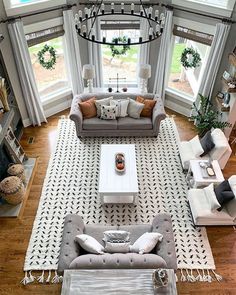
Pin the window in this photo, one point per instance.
(50, 83)
(186, 81)
(18, 7)
(125, 65)
(220, 7)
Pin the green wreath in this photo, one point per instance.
(190, 58)
(50, 63)
(114, 49)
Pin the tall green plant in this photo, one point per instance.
(206, 117)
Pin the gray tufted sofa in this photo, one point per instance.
(74, 257)
(122, 126)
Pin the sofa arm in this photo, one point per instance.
(166, 248)
(158, 114)
(73, 226)
(76, 114)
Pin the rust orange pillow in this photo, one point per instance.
(148, 106)
(88, 108)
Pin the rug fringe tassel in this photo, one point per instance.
(49, 277)
(56, 279)
(203, 275)
(40, 279)
(26, 279)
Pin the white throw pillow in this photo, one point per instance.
(100, 102)
(134, 108)
(121, 107)
(108, 112)
(117, 247)
(146, 243)
(89, 244)
(116, 235)
(221, 144)
(196, 146)
(211, 197)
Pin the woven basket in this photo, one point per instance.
(12, 190)
(17, 170)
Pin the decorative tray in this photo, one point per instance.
(120, 162)
(207, 170)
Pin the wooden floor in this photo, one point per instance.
(15, 233)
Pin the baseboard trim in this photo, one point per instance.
(178, 108)
(50, 111)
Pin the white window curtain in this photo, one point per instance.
(26, 74)
(73, 52)
(214, 59)
(161, 76)
(144, 48)
(95, 54)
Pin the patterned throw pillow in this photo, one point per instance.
(108, 112)
(100, 102)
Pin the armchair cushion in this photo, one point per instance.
(196, 146)
(207, 143)
(221, 144)
(211, 197)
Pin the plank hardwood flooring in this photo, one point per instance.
(15, 233)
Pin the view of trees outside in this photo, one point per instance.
(125, 65)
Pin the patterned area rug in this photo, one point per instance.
(71, 186)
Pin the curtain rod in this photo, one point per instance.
(170, 7)
(36, 13)
(226, 20)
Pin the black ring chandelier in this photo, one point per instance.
(155, 20)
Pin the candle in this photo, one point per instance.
(79, 26)
(112, 7)
(76, 18)
(122, 7)
(156, 14)
(150, 33)
(141, 12)
(84, 30)
(86, 12)
(161, 16)
(104, 39)
(93, 33)
(150, 12)
(102, 8)
(132, 7)
(80, 13)
(157, 29)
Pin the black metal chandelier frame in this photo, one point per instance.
(98, 10)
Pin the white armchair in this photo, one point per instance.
(202, 209)
(191, 150)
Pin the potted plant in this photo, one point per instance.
(206, 117)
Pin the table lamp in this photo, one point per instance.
(144, 74)
(89, 75)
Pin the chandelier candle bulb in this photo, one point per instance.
(129, 40)
(122, 7)
(104, 39)
(158, 29)
(79, 27)
(86, 12)
(150, 12)
(132, 8)
(156, 14)
(112, 7)
(161, 16)
(150, 33)
(80, 15)
(84, 30)
(102, 8)
(76, 18)
(93, 33)
(141, 10)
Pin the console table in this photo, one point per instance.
(115, 281)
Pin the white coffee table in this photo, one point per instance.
(195, 175)
(115, 281)
(113, 186)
